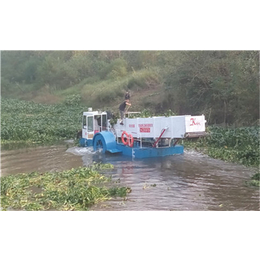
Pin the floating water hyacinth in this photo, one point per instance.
(240, 145)
(75, 189)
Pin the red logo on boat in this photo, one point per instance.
(193, 122)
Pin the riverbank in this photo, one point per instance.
(75, 189)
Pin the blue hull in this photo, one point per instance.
(135, 152)
(83, 142)
(148, 152)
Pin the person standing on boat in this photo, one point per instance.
(122, 109)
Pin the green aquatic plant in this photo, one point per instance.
(23, 121)
(72, 100)
(240, 145)
(169, 112)
(75, 189)
(146, 113)
(255, 180)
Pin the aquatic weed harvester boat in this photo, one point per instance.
(139, 137)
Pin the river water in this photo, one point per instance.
(191, 182)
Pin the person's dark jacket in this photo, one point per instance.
(122, 106)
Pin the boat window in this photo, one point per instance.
(84, 122)
(90, 123)
(97, 123)
(104, 122)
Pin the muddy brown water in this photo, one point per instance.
(192, 181)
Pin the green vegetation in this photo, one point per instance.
(23, 121)
(255, 180)
(75, 189)
(222, 85)
(240, 145)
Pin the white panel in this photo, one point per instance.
(177, 126)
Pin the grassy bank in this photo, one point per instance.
(75, 189)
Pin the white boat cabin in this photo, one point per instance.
(93, 122)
